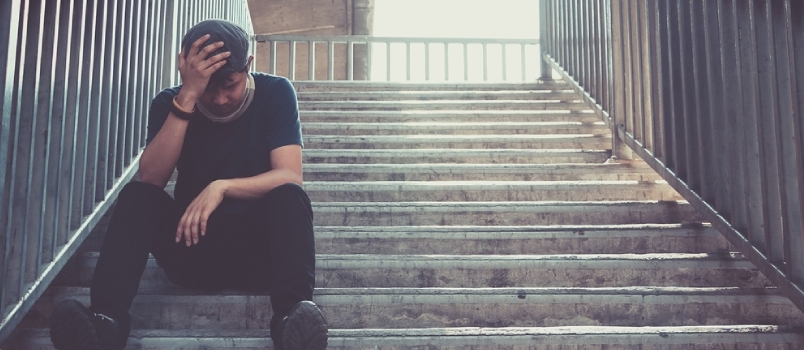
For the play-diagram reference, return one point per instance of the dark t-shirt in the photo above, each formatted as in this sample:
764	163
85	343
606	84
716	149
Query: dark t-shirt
241	148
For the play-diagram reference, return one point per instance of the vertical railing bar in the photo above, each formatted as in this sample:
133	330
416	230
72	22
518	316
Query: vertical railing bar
732	99
637	81
446	61
350	61
485	63
617	68
9	13
679	145
644	110
30	110
660	148
292	59
688	97
106	177
603	57
504	63
48	73
369	66
311	60
272	58
628	61
61	226
769	134
427	61
524	61
143	96
95	111
785	137
12	269
407	59
751	107
699	101
132	141
717	119
594	52
388	60
586	46
795	57
571	38
578	47
85	116
566	36
331	58
465	62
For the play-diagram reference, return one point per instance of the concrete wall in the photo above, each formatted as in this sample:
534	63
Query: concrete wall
311	17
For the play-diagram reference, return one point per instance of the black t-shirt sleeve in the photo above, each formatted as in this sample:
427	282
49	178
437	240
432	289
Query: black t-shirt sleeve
158	113
284	126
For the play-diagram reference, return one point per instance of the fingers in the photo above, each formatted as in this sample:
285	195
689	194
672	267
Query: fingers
193	224
181	58
213	68
194	49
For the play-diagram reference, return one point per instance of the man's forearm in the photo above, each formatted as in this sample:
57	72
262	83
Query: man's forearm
257	186
160	157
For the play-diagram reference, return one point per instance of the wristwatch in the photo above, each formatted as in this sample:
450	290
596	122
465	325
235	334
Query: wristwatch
181	112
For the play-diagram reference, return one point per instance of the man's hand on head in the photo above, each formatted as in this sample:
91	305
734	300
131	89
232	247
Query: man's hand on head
193	223
197	68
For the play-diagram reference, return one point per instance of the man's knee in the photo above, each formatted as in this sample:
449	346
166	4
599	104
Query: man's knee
288	191
138	191
287	196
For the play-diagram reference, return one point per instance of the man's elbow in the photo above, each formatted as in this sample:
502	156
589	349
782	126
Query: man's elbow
296	178
146	177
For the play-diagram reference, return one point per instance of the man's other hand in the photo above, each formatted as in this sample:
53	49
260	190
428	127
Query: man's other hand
193	223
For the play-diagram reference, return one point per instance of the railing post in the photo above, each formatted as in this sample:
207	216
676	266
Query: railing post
618	148
546	70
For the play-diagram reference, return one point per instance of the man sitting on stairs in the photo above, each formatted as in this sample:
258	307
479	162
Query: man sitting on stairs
239	219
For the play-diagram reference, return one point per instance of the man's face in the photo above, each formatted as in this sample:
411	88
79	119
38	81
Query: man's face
224	96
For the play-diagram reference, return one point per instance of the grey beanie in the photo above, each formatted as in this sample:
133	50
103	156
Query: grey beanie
235	40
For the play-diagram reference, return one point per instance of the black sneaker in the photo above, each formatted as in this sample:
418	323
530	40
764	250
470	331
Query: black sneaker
74	327
304	328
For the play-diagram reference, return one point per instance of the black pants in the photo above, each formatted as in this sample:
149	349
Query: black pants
270	247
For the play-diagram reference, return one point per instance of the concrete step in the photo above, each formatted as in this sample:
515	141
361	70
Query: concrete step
443	105
478	172
396	95
460	271
455	128
569	141
363	86
614	239
445	116
387	191
351	308
739	337
455	155
572	239
502	213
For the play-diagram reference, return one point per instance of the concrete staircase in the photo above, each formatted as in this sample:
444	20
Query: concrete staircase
476	217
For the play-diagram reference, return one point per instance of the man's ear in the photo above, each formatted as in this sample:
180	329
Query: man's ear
248	65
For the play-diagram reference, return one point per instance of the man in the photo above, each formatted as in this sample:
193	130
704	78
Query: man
239	219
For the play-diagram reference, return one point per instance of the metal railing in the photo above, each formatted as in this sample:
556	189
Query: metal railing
354	57
78	77
710	94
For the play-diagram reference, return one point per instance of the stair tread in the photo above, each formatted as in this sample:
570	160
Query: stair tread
641	291
488	335
671	260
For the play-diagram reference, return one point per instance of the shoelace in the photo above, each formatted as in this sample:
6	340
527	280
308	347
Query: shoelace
104	317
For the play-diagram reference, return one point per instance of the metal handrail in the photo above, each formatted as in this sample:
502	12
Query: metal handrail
370	44
710	94
78	77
